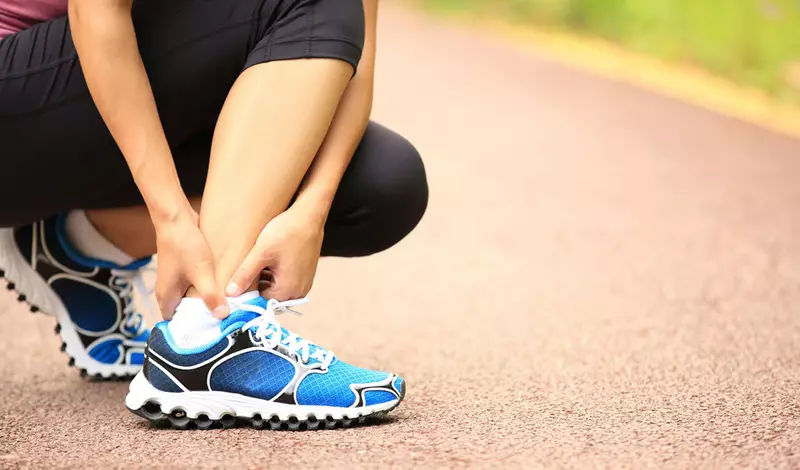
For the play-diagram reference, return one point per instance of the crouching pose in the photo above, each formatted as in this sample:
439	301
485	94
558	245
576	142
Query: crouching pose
231	138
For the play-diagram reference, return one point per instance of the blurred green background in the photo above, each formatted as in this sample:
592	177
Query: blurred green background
753	42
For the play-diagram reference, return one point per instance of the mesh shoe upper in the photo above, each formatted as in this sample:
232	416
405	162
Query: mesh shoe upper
97	295
243	361
333	387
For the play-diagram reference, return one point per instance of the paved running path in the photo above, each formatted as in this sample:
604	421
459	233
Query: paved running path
604	278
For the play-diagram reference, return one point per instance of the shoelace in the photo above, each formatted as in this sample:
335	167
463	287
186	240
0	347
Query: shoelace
269	330
129	282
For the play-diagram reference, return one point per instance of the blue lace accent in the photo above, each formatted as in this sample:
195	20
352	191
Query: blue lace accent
142	338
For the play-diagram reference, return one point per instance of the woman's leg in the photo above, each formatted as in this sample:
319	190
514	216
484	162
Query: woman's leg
382	197
58	155
263	145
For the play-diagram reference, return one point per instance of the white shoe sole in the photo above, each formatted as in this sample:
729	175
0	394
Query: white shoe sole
23	279
207	409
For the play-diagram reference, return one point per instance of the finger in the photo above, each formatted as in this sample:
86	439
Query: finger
206	284
168	297
272	292
280	291
248	271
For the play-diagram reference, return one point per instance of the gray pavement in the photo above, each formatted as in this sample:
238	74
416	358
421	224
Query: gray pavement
605	279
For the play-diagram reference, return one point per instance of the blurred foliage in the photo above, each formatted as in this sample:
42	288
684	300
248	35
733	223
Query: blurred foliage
755	42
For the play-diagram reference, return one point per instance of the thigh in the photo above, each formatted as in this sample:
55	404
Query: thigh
55	148
381	198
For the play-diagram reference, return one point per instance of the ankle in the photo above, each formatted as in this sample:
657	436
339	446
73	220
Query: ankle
193	325
88	241
129	229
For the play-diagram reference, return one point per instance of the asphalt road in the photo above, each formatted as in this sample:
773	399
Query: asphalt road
604	278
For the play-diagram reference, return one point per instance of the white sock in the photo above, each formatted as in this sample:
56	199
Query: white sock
89	242
193	325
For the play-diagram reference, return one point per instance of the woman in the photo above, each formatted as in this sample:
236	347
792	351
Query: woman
258	107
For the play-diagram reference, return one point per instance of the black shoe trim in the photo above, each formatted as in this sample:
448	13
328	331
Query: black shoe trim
287	398
196	380
23	299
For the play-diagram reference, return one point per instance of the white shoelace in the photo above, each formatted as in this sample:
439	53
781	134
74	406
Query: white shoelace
269	331
129	282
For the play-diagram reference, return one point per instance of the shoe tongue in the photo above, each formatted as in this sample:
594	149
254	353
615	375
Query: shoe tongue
243	316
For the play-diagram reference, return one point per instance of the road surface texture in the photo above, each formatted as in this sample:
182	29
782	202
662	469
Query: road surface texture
604	278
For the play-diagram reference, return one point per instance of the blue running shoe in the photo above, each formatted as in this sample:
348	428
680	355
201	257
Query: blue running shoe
259	372
92	300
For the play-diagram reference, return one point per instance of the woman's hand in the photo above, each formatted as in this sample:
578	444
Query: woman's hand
117	79
184	260
287	251
285	257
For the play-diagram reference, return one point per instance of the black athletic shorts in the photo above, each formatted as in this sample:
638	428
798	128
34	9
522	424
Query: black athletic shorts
56	153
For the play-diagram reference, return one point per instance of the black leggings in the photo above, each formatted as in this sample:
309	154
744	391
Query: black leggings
57	155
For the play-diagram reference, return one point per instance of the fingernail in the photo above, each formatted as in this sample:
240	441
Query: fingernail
221	311
232	289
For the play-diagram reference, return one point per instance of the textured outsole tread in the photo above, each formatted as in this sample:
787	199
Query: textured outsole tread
23	299
177	419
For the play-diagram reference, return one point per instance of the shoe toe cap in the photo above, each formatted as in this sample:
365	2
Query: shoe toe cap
344	385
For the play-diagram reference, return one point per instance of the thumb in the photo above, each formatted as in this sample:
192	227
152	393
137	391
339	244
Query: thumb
248	271
206	285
